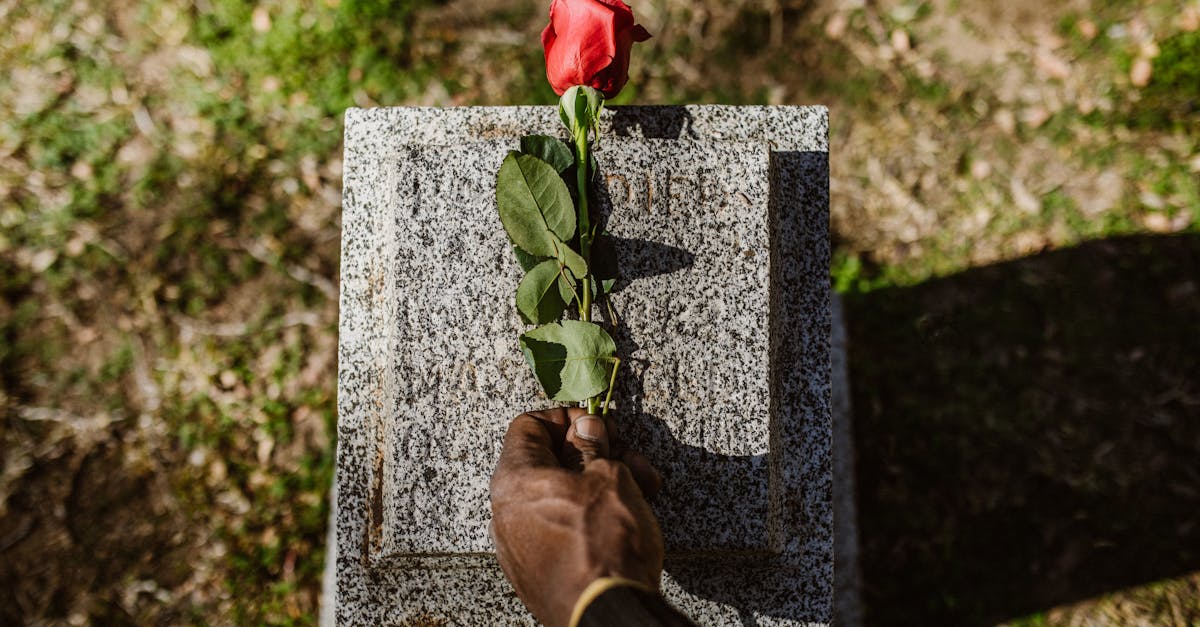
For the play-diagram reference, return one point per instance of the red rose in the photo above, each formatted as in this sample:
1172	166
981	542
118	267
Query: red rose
587	43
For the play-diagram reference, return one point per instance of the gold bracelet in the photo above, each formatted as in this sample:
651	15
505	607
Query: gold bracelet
597	588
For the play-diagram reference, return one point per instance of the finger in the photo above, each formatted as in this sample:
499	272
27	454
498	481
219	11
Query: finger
587	440
557	420
644	473
617	474
527	444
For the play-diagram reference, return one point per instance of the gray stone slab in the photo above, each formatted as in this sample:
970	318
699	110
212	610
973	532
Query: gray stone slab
725	322
787	129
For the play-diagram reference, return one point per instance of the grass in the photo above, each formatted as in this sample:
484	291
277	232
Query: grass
169	204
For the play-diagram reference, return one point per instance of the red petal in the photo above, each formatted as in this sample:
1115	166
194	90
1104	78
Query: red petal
548	39
588	42
622	11
618	5
594	35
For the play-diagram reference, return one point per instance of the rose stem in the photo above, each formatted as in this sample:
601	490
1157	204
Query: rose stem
612	382
585	235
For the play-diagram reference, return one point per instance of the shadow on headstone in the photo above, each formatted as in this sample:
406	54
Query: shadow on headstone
657	122
633	258
636	253
752	581
1028	432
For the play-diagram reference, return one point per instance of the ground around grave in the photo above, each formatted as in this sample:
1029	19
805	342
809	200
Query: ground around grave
1015	204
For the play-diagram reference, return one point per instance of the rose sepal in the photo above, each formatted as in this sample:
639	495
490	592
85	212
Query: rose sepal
579	108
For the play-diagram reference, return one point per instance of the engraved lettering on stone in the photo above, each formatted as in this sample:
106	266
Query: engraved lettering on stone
623	183
650	179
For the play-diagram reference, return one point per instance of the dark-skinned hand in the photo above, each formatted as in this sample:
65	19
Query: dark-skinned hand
569	507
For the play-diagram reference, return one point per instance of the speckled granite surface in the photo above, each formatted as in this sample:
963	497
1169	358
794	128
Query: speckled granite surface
726	323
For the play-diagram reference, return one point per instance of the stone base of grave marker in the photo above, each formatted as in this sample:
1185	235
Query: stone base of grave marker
720	219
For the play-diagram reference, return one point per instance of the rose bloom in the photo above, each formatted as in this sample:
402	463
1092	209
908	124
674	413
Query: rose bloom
587	43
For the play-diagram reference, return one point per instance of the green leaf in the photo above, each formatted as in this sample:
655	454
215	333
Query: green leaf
572	359
549	149
539	299
602	287
572	260
535	206
566	289
526	260
567	257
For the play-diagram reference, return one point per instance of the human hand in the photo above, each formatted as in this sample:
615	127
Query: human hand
564	514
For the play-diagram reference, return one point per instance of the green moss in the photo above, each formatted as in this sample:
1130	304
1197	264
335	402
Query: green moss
1172	98
118	364
326	52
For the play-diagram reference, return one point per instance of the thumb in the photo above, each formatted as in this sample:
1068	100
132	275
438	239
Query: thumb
587	440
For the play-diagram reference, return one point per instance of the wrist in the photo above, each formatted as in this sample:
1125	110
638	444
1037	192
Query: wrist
597	588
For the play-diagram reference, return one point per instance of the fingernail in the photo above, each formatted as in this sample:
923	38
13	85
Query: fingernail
590	428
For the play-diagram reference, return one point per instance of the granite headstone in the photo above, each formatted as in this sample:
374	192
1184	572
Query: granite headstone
720	219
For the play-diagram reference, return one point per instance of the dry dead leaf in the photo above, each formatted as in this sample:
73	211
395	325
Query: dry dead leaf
1024	199
1052	65
1140	73
1005	119
1088	29
1189	18
261	19
835	27
1034	117
42	260
1157	222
